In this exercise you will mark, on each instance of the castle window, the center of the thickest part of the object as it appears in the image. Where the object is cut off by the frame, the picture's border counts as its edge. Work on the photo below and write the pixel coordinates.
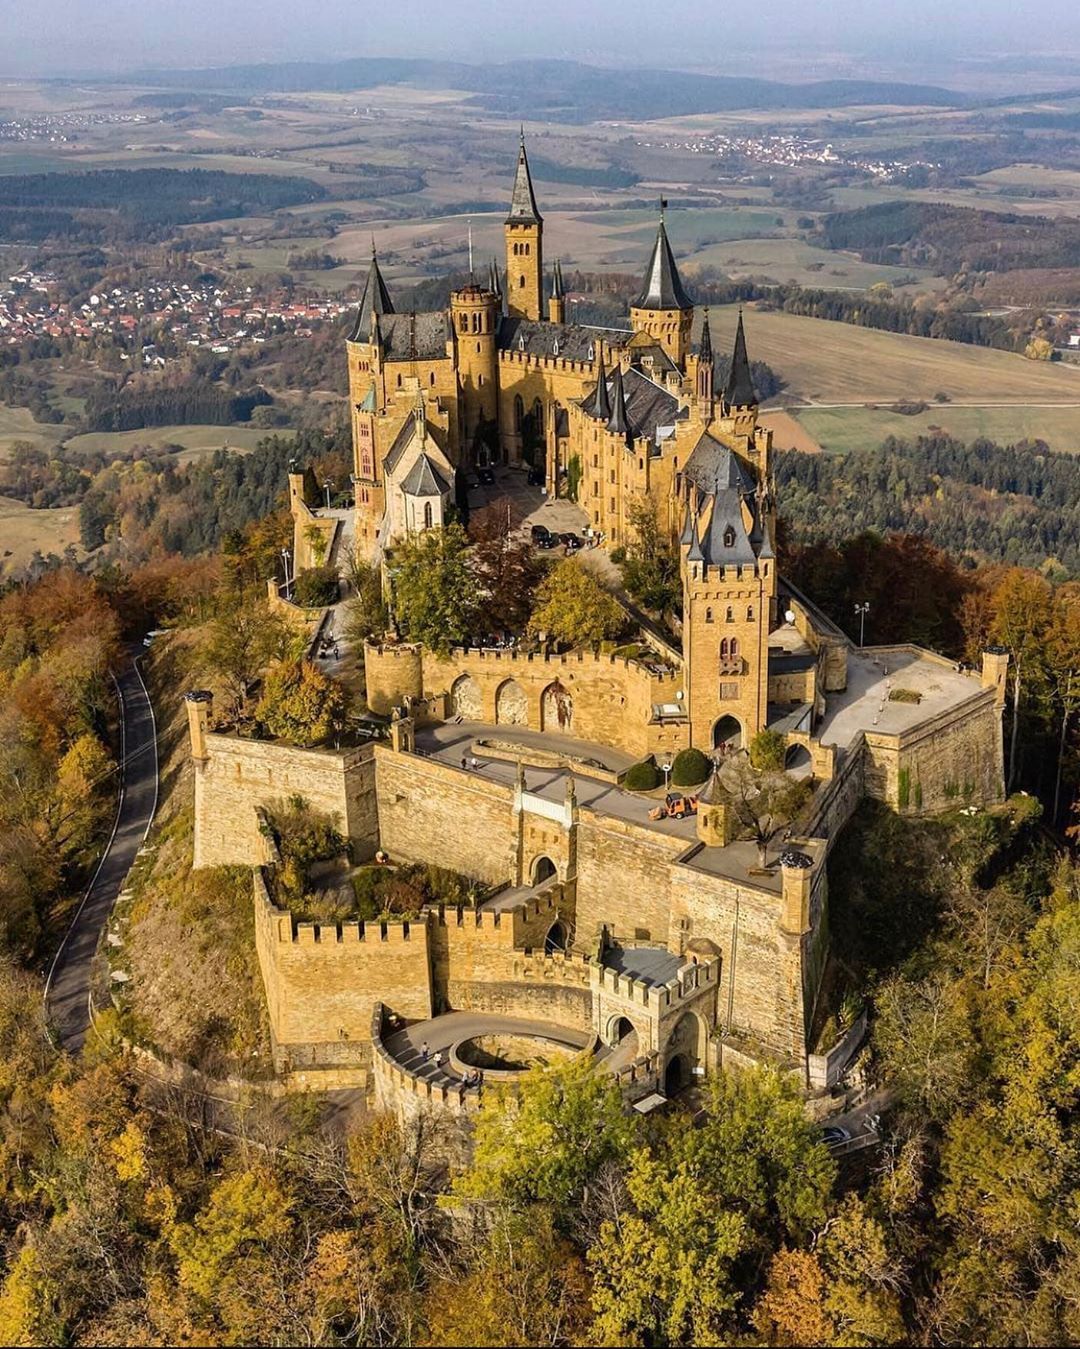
(538, 417)
(478, 348)
(724, 649)
(399, 381)
(612, 508)
(589, 354)
(730, 615)
(641, 464)
(515, 250)
(480, 381)
(734, 646)
(526, 250)
(749, 613)
(729, 537)
(427, 515)
(596, 461)
(464, 324)
(431, 379)
(519, 413)
(521, 282)
(596, 489)
(708, 615)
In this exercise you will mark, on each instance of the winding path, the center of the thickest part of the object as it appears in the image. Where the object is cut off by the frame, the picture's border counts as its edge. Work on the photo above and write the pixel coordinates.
(67, 989)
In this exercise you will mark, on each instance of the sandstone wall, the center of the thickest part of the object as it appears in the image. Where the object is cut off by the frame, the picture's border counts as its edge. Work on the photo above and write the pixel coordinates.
(240, 775)
(322, 982)
(624, 879)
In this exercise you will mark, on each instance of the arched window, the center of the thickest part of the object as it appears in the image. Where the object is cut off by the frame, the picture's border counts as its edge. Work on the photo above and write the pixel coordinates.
(464, 324)
(480, 381)
(399, 381)
(708, 615)
(730, 615)
(749, 613)
(519, 413)
(431, 378)
(723, 649)
(521, 283)
(427, 515)
(478, 348)
(734, 648)
(526, 250)
(538, 416)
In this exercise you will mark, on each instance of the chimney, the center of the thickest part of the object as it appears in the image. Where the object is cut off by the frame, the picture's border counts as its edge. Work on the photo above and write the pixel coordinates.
(796, 870)
(200, 705)
(995, 672)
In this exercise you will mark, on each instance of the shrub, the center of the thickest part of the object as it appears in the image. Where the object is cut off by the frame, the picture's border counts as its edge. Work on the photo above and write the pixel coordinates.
(767, 751)
(690, 768)
(642, 777)
(315, 587)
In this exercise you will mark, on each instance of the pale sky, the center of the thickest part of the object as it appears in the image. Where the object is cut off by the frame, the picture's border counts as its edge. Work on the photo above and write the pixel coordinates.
(61, 36)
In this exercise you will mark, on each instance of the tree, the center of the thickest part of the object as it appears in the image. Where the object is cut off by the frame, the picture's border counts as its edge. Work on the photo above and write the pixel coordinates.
(573, 609)
(923, 1042)
(300, 704)
(1022, 615)
(1062, 667)
(365, 616)
(315, 587)
(542, 1143)
(239, 645)
(433, 591)
(650, 571)
(83, 782)
(762, 803)
(506, 573)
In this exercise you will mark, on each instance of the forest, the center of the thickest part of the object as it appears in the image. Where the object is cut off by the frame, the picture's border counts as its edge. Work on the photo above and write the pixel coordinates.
(952, 239)
(1018, 504)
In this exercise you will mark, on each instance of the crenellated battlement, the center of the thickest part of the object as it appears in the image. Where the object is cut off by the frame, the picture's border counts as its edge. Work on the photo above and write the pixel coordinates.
(528, 360)
(657, 998)
(285, 929)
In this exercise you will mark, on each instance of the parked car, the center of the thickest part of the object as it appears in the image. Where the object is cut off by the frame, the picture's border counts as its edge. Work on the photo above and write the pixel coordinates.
(472, 481)
(542, 537)
(571, 541)
(676, 805)
(486, 476)
(834, 1135)
(536, 477)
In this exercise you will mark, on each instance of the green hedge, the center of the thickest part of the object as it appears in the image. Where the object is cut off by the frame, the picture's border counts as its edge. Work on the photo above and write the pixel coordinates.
(642, 777)
(767, 751)
(690, 768)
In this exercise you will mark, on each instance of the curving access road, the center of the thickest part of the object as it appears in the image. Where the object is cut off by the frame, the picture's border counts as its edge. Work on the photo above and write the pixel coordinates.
(67, 989)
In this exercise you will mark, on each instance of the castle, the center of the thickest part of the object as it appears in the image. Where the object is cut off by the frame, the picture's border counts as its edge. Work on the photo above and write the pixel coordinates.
(601, 919)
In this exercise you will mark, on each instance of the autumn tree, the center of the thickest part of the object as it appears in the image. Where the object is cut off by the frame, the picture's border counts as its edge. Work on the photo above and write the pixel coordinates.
(239, 644)
(573, 609)
(300, 704)
(1022, 614)
(763, 803)
(650, 567)
(506, 570)
(433, 593)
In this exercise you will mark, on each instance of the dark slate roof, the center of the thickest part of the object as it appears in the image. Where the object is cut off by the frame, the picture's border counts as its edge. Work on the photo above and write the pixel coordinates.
(662, 287)
(695, 554)
(705, 344)
(557, 281)
(375, 299)
(712, 794)
(740, 391)
(727, 521)
(715, 467)
(687, 535)
(618, 422)
(538, 338)
(401, 440)
(523, 208)
(425, 479)
(599, 407)
(646, 406)
(414, 337)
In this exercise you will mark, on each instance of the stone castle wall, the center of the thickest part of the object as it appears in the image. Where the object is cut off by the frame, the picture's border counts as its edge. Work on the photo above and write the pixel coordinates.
(610, 698)
(237, 776)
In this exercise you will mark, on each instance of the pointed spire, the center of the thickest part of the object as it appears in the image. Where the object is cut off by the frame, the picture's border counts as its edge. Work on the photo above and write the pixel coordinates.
(740, 392)
(523, 208)
(600, 408)
(374, 300)
(705, 346)
(695, 554)
(556, 281)
(618, 422)
(662, 287)
(687, 535)
(494, 284)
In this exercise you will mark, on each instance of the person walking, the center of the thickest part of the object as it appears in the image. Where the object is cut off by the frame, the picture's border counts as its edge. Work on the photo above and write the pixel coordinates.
(424, 1051)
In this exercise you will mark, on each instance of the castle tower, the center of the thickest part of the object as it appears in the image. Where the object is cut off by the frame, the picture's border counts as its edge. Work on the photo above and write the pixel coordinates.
(524, 230)
(474, 314)
(740, 396)
(557, 301)
(663, 309)
(699, 370)
(729, 595)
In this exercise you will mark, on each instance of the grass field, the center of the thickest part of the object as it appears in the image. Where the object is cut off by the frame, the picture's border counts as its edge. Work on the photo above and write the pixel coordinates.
(197, 440)
(838, 430)
(826, 362)
(18, 424)
(25, 531)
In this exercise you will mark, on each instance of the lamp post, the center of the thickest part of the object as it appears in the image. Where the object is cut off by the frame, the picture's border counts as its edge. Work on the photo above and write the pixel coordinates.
(862, 610)
(665, 768)
(326, 488)
(285, 558)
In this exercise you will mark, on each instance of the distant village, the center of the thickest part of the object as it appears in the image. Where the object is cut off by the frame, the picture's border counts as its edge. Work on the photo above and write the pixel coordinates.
(786, 150)
(216, 316)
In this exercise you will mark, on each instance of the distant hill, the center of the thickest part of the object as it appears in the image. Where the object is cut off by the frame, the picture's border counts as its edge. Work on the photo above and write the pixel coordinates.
(565, 91)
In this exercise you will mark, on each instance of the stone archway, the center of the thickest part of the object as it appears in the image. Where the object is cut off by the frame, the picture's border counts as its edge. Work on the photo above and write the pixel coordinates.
(797, 760)
(677, 1075)
(622, 1034)
(466, 700)
(727, 734)
(543, 869)
(511, 704)
(557, 709)
(684, 1052)
(556, 938)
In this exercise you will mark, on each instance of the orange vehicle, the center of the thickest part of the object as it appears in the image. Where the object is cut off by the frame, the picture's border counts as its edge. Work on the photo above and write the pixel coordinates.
(674, 806)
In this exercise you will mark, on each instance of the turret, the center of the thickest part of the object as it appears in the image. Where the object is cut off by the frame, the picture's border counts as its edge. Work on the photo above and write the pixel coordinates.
(474, 314)
(663, 309)
(557, 301)
(700, 367)
(740, 396)
(524, 231)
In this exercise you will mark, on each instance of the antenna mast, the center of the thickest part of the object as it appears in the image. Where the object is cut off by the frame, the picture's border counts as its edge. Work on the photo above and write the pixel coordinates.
(470, 250)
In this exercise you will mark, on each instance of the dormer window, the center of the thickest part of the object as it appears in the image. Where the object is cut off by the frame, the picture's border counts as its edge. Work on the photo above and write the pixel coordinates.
(555, 347)
(729, 537)
(590, 354)
(521, 342)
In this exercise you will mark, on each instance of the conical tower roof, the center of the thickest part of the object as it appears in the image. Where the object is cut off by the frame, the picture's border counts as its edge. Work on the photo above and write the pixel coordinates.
(600, 407)
(375, 300)
(740, 391)
(494, 283)
(523, 208)
(662, 287)
(705, 345)
(556, 281)
(617, 422)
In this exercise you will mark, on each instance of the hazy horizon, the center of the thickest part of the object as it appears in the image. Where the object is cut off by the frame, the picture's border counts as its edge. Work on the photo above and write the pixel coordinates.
(116, 36)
